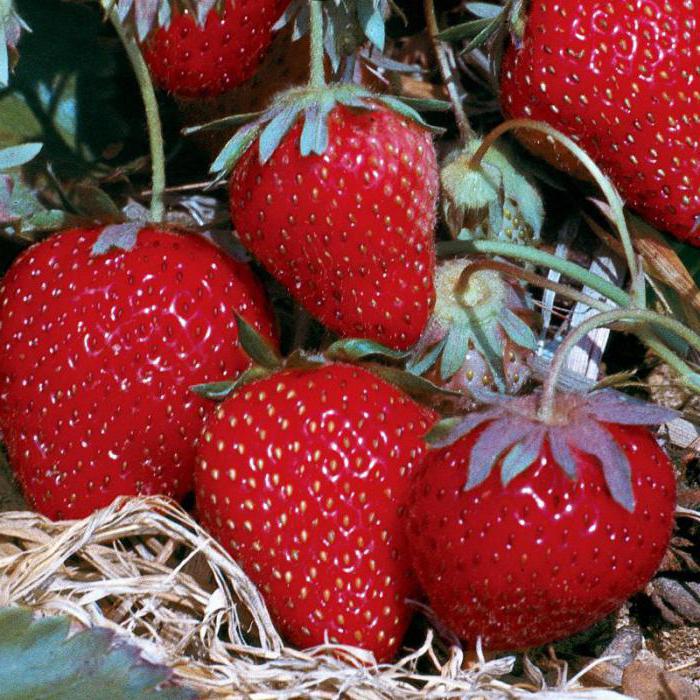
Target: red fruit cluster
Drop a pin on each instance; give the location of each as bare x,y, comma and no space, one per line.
620,78
98,354
204,61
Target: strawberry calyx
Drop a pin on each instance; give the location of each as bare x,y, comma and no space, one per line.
145,16
477,335
490,199
313,105
373,356
11,26
513,435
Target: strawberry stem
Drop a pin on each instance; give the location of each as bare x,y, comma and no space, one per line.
537,257
531,278
153,122
616,206
318,67
690,378
449,77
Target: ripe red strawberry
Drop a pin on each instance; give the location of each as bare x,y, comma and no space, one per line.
190,60
302,476
558,526
98,354
349,232
620,78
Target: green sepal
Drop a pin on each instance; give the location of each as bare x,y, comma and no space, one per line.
117,237
399,106
442,430
520,457
218,391
484,10
235,120
425,104
466,30
233,151
314,135
38,659
355,349
413,385
277,128
518,331
257,347
423,362
456,348
483,36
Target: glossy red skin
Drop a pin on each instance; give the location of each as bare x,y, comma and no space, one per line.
97,355
190,60
302,477
349,233
542,558
621,77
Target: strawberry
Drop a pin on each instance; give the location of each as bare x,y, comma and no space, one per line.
303,476
193,60
347,228
98,352
619,77
477,337
557,526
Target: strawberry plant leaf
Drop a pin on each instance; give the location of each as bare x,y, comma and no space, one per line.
16,156
371,19
259,350
38,660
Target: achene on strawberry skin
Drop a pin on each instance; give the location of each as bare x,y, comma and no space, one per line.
98,354
349,232
303,477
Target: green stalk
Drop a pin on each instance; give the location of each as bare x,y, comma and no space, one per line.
449,78
548,400
611,194
153,122
537,257
318,66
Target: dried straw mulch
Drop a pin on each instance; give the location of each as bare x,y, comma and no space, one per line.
145,569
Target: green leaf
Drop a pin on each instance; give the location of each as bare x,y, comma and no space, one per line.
276,130
218,391
518,331
483,36
15,156
233,151
234,120
455,351
522,455
484,10
372,22
37,661
359,348
420,365
257,347
417,387
466,30
425,104
400,107
314,135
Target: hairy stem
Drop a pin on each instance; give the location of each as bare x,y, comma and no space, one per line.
318,68
449,76
537,257
548,400
153,122
611,194
532,278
